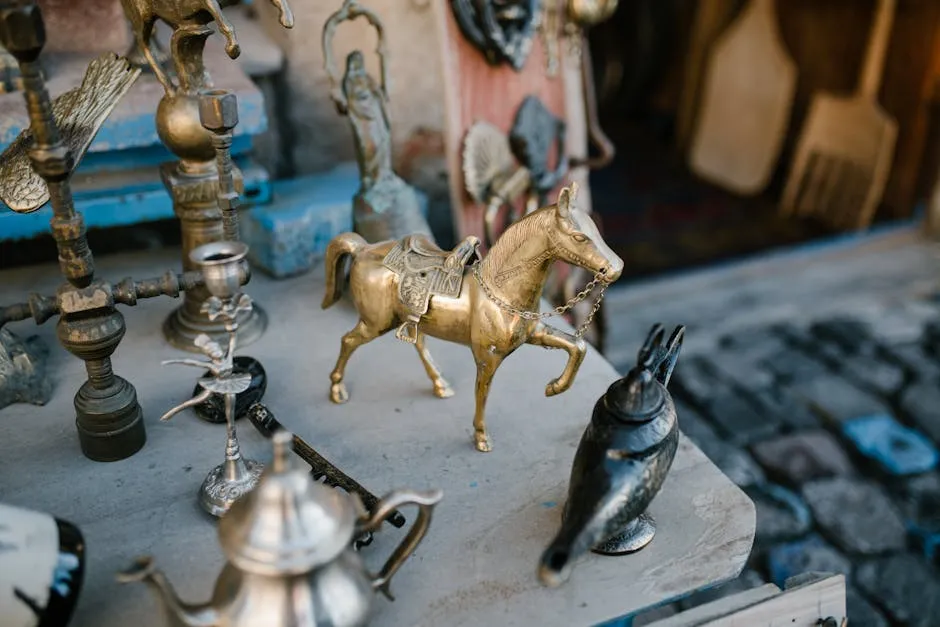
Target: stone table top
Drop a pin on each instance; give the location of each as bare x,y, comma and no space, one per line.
477,564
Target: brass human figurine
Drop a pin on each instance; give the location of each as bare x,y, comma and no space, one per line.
493,313
385,207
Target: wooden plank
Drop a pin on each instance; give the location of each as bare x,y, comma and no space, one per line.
477,565
802,606
720,607
750,81
711,18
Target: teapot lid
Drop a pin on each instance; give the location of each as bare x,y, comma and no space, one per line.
289,524
637,397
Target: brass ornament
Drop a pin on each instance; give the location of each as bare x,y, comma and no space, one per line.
186,18
502,30
500,169
385,207
193,181
79,114
494,312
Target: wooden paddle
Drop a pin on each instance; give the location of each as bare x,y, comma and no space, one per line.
750,81
844,154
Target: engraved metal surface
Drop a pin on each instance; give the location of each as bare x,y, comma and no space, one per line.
621,463
79,113
512,274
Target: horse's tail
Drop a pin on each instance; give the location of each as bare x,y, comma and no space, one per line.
339,248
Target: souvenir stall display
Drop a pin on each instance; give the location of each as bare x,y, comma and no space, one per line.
301,541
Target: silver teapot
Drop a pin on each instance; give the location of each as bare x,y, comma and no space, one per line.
290,561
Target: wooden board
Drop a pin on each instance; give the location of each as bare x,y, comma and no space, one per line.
750,82
768,606
475,90
477,565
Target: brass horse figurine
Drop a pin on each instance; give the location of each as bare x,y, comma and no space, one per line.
143,15
494,312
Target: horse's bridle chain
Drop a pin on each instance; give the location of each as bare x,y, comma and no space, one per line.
599,279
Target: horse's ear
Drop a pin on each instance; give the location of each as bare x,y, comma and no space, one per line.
565,197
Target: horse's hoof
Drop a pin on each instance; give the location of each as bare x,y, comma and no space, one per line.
338,393
443,389
554,387
483,443
233,50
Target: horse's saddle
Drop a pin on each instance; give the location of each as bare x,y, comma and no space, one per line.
425,270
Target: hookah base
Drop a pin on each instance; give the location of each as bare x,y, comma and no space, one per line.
213,409
219,491
181,328
109,421
636,535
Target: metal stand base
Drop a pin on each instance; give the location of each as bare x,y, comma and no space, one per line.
109,421
182,326
228,482
213,409
634,537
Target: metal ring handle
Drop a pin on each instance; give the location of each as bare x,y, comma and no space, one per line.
392,501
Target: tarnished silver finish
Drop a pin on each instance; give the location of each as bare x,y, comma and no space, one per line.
23,376
621,463
289,559
223,268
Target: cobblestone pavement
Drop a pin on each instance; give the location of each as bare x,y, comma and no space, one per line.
833,429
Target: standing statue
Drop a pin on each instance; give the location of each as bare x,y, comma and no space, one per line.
385,207
494,312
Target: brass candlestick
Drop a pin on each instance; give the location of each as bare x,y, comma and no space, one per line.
224,269
192,181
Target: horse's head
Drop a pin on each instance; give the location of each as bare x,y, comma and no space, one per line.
577,240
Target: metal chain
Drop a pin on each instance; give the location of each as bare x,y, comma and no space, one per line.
525,314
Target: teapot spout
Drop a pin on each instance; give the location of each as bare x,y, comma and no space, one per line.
576,537
185,613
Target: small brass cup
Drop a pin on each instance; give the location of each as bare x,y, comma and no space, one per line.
223,267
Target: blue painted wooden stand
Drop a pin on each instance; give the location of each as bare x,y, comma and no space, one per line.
118,181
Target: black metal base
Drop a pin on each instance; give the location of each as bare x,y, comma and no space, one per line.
213,410
109,421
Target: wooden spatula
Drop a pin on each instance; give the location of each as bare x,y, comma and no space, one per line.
844,154
750,81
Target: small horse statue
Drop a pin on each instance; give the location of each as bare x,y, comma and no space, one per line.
143,15
494,312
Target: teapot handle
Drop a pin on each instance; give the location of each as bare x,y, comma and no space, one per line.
389,503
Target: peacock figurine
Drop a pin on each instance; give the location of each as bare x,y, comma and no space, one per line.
79,114
621,463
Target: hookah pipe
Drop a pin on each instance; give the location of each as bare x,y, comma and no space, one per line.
108,415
